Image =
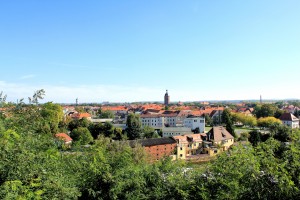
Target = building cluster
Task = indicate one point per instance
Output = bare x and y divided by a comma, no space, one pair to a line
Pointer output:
187,146
182,126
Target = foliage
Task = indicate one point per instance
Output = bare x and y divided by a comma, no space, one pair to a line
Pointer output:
265,110
149,132
227,119
281,133
81,135
267,122
208,120
52,114
106,114
133,130
244,119
107,129
244,136
76,123
254,137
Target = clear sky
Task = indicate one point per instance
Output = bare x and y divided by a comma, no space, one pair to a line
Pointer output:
123,51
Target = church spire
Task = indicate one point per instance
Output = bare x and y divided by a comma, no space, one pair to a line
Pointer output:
167,98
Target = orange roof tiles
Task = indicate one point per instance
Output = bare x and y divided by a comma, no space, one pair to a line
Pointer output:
81,115
115,108
64,137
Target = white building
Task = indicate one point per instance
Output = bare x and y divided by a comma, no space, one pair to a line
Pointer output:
174,131
290,120
195,122
155,121
170,119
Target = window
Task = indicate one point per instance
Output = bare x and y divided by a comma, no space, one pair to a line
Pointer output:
180,148
180,155
195,120
194,144
215,151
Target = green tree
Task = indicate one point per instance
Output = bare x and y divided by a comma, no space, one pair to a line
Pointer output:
81,135
208,120
227,119
133,130
265,110
255,137
149,132
281,133
52,114
76,123
106,114
226,116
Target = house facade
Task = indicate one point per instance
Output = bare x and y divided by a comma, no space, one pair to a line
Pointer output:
195,122
290,120
220,137
188,145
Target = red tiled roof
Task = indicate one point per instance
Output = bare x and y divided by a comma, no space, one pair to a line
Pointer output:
115,108
64,137
81,115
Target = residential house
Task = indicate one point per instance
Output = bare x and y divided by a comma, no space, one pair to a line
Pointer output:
291,109
290,120
187,145
219,137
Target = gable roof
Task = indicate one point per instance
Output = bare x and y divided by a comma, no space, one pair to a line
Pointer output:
152,142
219,133
288,117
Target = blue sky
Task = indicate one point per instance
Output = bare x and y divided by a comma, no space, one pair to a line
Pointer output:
123,51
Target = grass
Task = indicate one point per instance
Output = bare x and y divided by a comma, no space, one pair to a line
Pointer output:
207,128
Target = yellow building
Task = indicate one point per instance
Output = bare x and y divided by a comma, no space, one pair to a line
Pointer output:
187,145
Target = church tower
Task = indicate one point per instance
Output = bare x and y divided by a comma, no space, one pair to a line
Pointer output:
167,98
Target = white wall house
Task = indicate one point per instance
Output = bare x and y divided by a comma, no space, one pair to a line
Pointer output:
290,120
195,122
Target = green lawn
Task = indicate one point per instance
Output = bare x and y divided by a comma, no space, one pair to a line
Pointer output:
207,128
